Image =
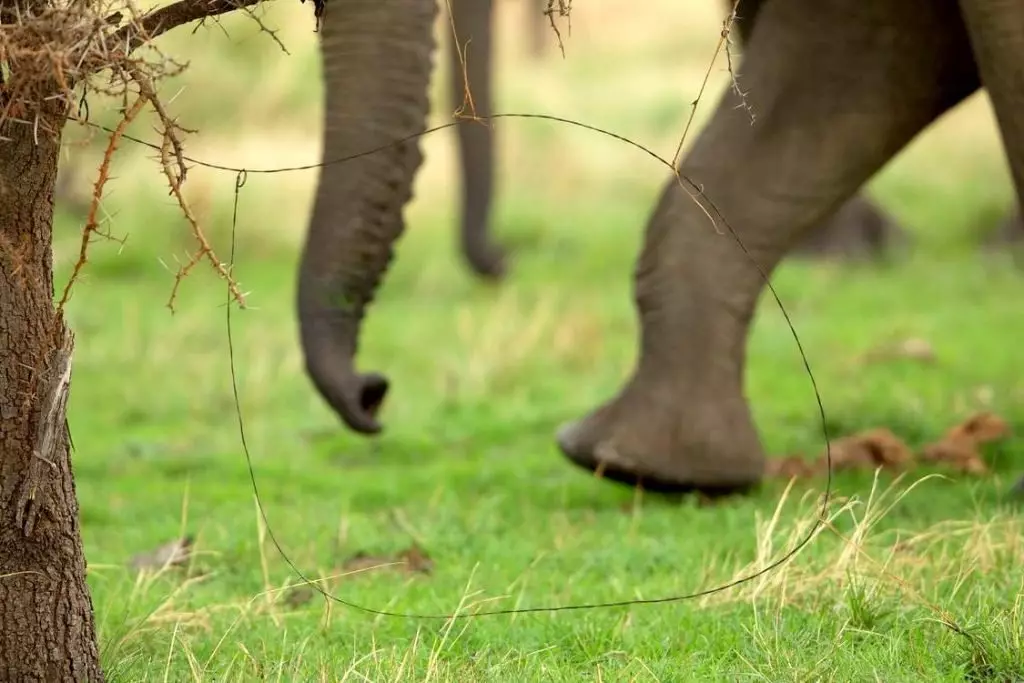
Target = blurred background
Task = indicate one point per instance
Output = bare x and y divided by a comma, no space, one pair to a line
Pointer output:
632,71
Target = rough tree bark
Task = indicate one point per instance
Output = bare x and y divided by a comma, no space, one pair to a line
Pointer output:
47,631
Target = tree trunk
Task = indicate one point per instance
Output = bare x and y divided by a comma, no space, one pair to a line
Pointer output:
47,632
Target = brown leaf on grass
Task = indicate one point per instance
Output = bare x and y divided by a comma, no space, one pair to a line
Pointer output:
413,560
959,447
868,450
865,450
981,428
173,554
873,448
960,454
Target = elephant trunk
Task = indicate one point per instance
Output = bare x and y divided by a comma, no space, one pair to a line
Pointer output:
377,59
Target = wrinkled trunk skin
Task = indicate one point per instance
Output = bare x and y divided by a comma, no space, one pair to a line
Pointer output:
47,631
473,21
377,59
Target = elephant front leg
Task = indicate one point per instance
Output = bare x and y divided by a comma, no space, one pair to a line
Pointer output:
838,87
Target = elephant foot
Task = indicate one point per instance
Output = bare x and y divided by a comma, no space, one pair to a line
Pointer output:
488,261
860,229
668,440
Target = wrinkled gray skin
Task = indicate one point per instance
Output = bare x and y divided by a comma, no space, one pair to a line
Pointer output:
840,87
858,229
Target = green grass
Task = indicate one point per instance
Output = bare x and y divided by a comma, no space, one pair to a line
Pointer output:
482,376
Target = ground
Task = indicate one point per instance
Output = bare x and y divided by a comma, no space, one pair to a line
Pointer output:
467,467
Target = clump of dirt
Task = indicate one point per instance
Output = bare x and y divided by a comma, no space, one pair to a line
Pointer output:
299,596
958,449
869,450
412,560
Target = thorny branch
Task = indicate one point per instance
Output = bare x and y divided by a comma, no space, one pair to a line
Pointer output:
91,222
159,21
559,8
48,49
174,171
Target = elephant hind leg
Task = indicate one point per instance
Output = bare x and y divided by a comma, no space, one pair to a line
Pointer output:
473,28
859,229
996,29
838,87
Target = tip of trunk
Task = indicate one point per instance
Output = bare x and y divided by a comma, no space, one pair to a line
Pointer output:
357,398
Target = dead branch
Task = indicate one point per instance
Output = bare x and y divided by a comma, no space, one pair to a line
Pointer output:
159,21
65,44
562,9
171,149
91,222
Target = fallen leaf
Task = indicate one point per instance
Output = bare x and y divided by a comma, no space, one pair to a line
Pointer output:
172,554
416,560
981,428
959,447
869,450
413,560
959,453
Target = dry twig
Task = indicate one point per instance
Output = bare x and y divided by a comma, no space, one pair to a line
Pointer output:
51,48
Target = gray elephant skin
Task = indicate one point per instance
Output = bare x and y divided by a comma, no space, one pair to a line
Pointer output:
840,87
857,229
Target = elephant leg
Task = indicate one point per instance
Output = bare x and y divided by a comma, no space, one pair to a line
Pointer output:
473,25
996,29
859,228
838,87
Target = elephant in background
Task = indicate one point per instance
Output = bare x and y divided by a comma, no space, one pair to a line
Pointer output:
859,228
474,30
840,87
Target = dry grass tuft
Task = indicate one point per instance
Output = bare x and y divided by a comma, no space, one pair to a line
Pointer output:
908,566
